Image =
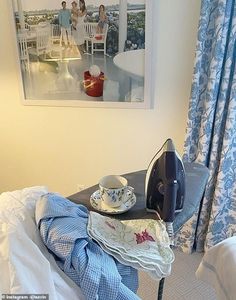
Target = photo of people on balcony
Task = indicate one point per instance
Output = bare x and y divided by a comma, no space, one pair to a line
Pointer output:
89,50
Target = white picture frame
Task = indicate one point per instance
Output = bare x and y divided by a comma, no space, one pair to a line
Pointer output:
97,102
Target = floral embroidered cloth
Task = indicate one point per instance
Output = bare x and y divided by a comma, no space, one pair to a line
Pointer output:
142,244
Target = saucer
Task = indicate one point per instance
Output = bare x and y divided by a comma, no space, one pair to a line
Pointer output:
99,205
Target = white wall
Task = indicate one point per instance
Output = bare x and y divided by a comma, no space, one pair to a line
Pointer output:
62,147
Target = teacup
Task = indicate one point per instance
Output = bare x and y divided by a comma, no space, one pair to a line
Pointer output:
114,190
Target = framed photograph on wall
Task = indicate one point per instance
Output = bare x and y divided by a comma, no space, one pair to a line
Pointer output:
86,53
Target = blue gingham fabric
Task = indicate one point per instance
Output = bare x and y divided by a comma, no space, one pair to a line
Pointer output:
63,227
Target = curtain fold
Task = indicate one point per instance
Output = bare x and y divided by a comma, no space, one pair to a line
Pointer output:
211,126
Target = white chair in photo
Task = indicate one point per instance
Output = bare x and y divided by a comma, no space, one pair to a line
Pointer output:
94,39
90,29
23,51
56,37
43,37
56,41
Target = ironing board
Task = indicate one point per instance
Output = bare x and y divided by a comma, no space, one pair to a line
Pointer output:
196,179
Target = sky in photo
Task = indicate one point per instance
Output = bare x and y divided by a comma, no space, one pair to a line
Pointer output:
55,4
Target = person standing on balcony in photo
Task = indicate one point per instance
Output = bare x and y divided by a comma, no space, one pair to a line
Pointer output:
74,15
79,31
102,19
64,18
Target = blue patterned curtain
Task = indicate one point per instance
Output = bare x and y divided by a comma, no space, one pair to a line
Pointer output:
211,126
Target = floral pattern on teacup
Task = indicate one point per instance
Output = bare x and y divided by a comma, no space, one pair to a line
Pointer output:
114,195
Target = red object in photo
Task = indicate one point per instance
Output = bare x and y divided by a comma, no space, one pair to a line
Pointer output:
98,37
93,85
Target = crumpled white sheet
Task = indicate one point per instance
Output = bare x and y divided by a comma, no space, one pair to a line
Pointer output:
25,263
218,268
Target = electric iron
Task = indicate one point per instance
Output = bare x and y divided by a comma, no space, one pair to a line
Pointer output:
165,183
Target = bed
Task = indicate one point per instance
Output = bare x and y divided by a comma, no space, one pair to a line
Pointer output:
19,238
70,266
218,268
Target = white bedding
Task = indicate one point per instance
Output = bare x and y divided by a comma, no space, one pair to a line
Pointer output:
218,268
26,265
